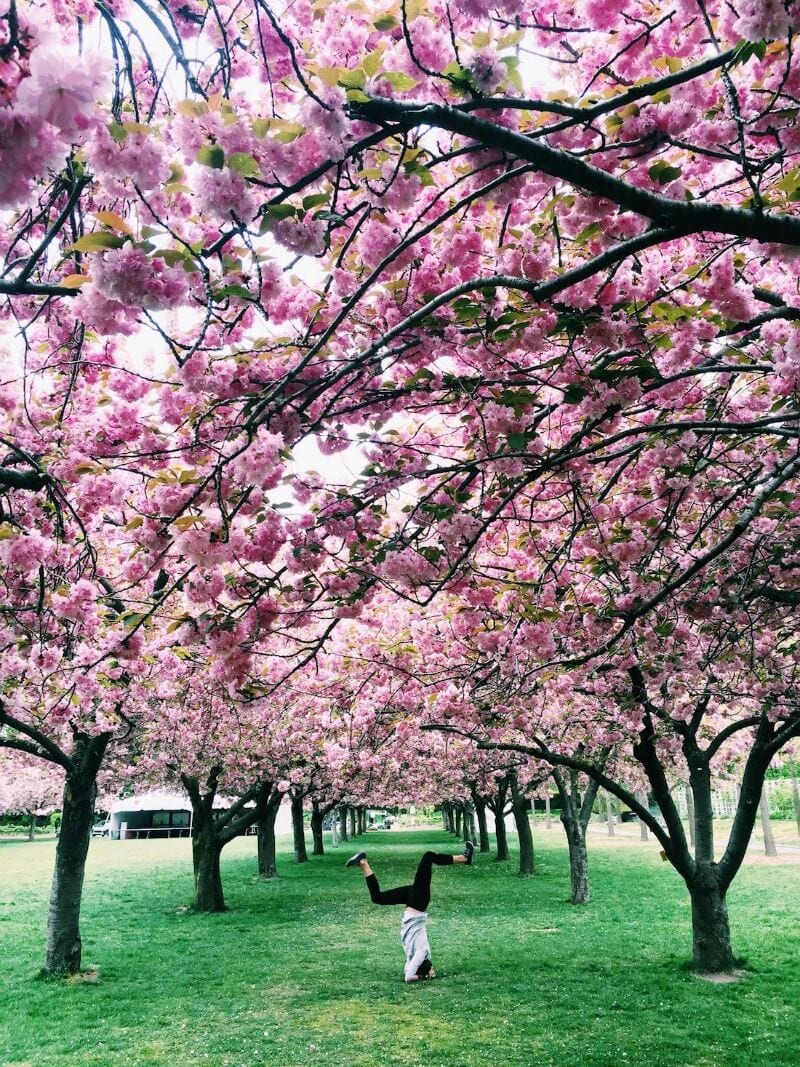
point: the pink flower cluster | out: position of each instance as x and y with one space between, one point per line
133 278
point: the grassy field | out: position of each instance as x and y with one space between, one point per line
305 971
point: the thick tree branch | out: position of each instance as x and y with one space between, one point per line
687 216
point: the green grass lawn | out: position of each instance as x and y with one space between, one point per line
304 970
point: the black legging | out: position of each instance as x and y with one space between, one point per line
418 894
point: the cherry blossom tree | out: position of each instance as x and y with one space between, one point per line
25 790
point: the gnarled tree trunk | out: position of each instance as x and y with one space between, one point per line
63 938
211 831
206 852
480 814
576 811
519 809
711 933
298 831
318 813
267 863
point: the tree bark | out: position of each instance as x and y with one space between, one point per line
318 813
445 818
498 808
206 852
766 825
32 828
298 831
501 837
343 823
458 817
211 831
267 863
63 937
469 823
576 811
353 830
483 829
519 809
711 935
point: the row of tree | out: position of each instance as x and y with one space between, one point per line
534 273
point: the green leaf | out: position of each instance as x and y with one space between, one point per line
288 132
594 229
171 256
353 79
574 393
357 96
118 132
97 241
517 441
211 156
384 23
279 211
662 172
243 163
790 182
314 200
747 49
234 290
399 81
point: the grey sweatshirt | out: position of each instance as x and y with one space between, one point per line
414 936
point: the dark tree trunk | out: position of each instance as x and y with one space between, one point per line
298 831
212 831
498 808
32 827
469 823
63 937
362 821
457 825
578 866
711 935
343 824
519 809
483 829
353 830
576 811
206 852
317 817
501 837
446 820
267 863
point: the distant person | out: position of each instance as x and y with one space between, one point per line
416 897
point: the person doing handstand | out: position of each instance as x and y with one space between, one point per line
416 897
